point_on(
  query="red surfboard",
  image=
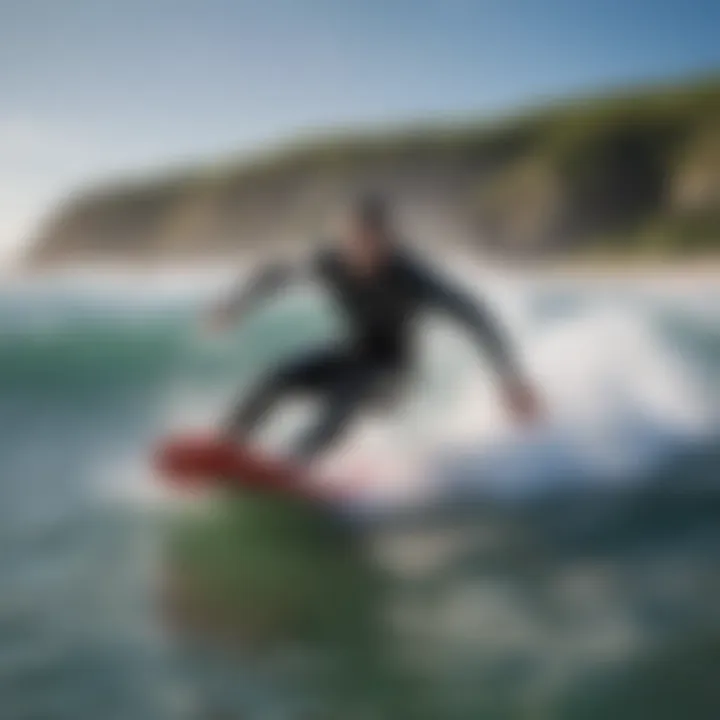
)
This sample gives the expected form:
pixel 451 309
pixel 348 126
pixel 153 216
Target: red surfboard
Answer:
pixel 195 462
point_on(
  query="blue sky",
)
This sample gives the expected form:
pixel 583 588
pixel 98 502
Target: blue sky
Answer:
pixel 92 88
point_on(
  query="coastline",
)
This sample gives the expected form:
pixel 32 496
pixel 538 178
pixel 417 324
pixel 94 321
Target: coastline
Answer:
pixel 616 267
pixel 594 269
pixel 589 268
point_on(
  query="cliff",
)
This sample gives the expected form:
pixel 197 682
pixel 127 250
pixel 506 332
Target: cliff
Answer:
pixel 637 172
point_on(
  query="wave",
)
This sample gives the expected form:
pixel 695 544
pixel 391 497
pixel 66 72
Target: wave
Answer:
pixel 624 379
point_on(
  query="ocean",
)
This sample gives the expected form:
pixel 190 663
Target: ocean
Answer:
pixel 579 578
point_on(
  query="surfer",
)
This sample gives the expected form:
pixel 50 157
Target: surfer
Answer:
pixel 381 287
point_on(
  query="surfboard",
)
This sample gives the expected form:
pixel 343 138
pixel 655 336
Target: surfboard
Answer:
pixel 194 462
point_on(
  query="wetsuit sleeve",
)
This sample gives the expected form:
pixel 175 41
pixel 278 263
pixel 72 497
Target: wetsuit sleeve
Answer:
pixel 267 281
pixel 473 314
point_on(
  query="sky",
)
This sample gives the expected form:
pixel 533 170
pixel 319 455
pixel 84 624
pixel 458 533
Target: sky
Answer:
pixel 95 89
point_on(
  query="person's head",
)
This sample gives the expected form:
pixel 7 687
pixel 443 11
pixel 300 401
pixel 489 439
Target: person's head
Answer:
pixel 368 236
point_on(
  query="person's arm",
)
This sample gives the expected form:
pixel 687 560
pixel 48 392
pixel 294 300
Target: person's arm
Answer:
pixel 489 335
pixel 267 281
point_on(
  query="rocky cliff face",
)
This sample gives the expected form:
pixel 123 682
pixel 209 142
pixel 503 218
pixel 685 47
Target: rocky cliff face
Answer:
pixel 633 172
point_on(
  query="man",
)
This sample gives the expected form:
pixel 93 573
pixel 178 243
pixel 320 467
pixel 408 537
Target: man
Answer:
pixel 381 289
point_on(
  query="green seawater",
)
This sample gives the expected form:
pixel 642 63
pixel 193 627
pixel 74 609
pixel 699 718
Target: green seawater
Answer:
pixel 561 589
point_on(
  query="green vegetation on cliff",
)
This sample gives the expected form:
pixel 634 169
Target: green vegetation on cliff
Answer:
pixel 637 172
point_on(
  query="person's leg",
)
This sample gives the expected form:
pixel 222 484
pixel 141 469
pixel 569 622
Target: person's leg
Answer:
pixel 311 373
pixel 344 399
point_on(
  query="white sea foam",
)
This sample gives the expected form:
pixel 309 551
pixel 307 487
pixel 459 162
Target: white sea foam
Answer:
pixel 619 398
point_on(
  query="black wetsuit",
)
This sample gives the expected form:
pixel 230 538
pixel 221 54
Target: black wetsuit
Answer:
pixel 380 311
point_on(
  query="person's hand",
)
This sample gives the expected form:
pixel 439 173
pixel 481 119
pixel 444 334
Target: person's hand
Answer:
pixel 522 401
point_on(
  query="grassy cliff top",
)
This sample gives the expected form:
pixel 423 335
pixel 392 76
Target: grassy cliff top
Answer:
pixel 647 144
pixel 554 127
